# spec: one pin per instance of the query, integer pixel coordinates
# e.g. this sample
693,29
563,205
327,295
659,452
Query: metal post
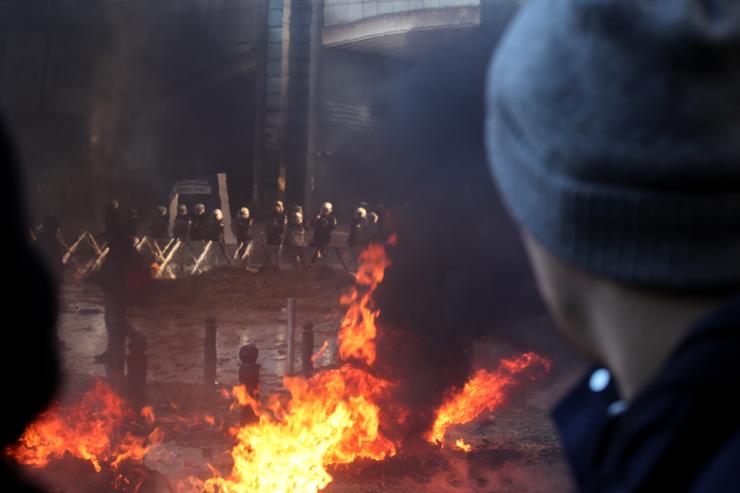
209,353
291,337
307,349
136,370
249,376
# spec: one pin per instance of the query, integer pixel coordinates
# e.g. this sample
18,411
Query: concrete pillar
270,102
288,80
314,84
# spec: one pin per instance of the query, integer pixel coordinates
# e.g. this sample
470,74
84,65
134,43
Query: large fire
484,392
357,331
330,419
89,430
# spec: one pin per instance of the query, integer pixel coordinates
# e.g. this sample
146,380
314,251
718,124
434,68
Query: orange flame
88,430
357,331
463,445
320,352
485,391
330,419
147,412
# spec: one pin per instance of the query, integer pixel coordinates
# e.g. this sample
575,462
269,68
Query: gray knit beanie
613,130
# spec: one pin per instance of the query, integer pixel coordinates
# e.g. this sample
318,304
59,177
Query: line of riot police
281,227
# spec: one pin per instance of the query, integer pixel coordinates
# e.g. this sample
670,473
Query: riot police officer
197,221
240,226
275,226
323,225
358,229
296,234
181,230
159,227
213,227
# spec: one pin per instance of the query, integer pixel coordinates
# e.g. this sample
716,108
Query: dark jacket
197,221
130,224
681,433
322,227
125,274
296,233
213,230
181,229
113,222
159,228
240,227
275,228
359,233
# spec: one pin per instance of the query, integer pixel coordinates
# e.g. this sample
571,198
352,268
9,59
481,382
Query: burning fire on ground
330,419
484,392
333,418
90,431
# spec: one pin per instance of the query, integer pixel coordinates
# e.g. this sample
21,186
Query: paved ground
515,451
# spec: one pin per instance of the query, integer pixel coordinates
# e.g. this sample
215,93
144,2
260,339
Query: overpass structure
325,67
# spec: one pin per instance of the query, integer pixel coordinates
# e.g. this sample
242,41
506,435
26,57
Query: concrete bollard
289,369
249,377
137,364
209,353
307,349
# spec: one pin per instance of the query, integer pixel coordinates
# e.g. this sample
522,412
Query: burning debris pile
299,437
97,430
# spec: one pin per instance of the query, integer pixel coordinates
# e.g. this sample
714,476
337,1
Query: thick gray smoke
459,273
170,100
133,95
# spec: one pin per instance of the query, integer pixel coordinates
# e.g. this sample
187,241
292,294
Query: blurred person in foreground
29,356
613,131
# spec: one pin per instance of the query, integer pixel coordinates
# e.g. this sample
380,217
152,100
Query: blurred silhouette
614,137
50,247
29,357
124,279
